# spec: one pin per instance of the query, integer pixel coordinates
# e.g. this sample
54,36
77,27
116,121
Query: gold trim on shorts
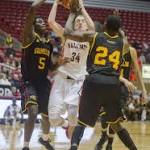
29,102
84,123
117,120
102,113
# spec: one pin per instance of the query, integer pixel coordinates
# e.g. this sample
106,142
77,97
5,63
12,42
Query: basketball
65,3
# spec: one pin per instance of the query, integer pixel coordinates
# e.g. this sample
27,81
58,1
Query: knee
116,127
72,115
72,120
32,113
56,120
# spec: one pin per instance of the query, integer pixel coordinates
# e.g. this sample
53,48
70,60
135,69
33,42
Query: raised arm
137,71
28,35
89,21
57,28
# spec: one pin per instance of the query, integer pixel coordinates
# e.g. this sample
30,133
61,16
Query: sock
45,137
111,136
103,139
65,124
126,139
110,140
77,135
26,144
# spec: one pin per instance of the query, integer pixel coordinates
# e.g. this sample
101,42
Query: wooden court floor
11,138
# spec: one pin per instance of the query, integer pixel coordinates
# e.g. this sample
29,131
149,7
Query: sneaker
26,148
99,145
109,147
73,148
46,144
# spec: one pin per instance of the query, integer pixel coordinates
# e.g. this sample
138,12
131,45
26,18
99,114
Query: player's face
40,24
80,24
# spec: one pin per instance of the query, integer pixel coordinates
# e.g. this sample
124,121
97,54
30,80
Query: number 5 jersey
36,59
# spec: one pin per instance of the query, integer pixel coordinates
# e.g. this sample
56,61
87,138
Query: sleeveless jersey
77,52
36,60
105,55
126,65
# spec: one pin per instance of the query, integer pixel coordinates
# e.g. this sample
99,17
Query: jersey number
102,53
41,62
75,57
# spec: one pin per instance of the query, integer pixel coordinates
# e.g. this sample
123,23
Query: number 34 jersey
77,52
36,60
105,55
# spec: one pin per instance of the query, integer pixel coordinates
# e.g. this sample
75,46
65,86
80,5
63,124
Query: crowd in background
10,73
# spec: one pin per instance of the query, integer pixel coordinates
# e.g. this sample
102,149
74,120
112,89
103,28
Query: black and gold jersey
105,55
126,65
36,59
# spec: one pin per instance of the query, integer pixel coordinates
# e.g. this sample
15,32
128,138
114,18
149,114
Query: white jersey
77,52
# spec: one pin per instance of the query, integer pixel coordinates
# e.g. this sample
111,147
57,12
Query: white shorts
64,92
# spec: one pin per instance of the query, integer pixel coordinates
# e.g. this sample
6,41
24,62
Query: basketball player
68,81
36,61
101,87
130,58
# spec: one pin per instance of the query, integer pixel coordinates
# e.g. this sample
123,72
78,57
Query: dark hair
98,26
113,23
37,17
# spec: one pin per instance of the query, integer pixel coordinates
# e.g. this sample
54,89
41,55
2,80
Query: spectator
4,80
12,113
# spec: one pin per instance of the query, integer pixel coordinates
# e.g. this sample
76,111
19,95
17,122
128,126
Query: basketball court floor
11,138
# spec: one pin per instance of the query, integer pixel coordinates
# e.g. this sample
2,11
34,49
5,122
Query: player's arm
28,35
56,27
88,19
137,71
125,41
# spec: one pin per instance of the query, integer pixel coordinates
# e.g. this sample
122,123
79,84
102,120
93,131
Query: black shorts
100,91
36,93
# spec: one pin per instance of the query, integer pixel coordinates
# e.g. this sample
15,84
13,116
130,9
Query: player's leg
77,136
31,106
72,102
56,106
88,101
114,114
72,119
124,135
43,97
104,136
111,134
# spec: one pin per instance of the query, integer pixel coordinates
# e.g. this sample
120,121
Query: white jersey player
69,78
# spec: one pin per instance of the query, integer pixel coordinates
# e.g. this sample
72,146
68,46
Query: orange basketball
65,3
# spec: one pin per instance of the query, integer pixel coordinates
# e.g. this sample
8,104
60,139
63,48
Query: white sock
65,124
45,137
26,144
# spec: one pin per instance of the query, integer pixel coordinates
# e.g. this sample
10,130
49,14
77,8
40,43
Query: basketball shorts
65,91
100,91
36,94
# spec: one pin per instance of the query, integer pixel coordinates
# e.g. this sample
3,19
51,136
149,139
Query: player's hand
58,2
63,60
81,3
74,6
130,86
144,97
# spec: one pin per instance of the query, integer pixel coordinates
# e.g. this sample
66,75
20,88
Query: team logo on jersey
76,45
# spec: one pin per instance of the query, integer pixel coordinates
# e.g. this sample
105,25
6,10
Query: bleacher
13,14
